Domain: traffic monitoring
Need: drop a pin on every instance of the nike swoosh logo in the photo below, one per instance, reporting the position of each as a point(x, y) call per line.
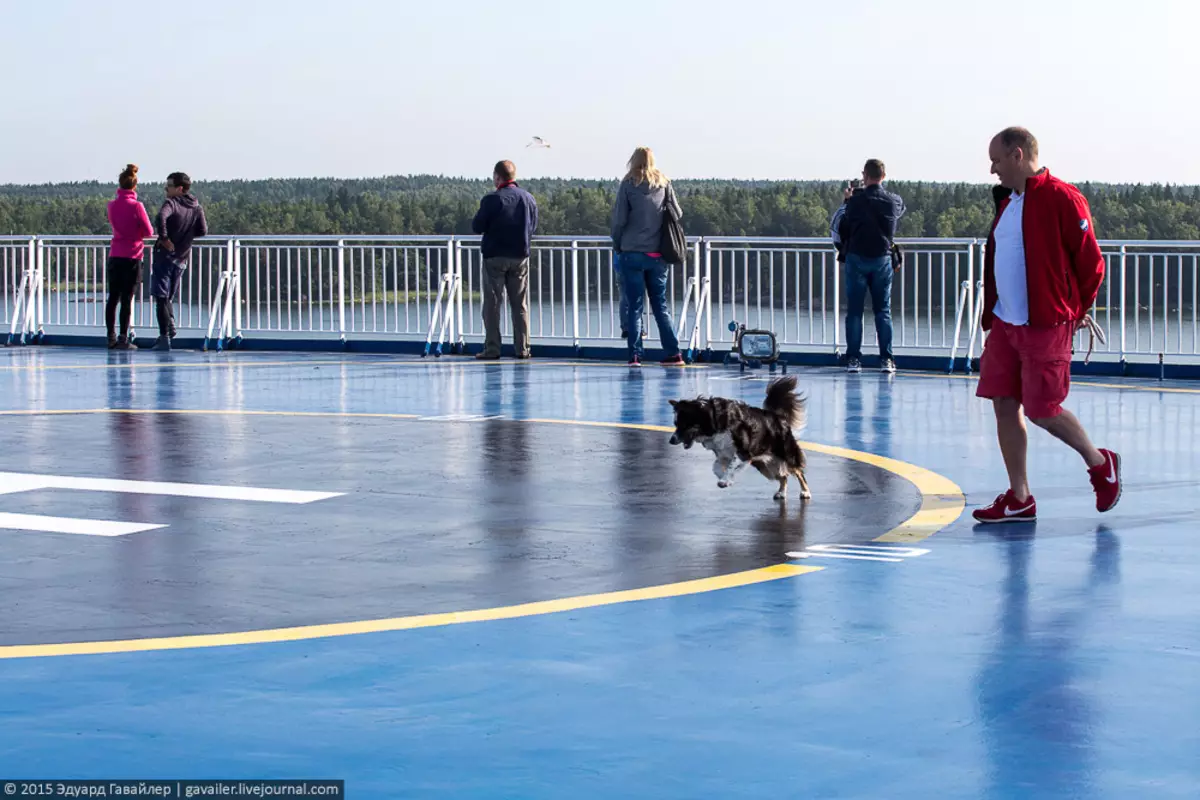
point(1008, 512)
point(1111, 477)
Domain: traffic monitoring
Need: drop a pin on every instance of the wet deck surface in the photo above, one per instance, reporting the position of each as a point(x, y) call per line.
point(432, 516)
point(1056, 660)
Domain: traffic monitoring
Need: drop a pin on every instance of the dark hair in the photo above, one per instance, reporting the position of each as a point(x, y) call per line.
point(180, 179)
point(874, 169)
point(1022, 138)
point(128, 179)
point(505, 170)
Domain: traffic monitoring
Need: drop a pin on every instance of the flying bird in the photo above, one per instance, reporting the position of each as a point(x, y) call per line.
point(538, 142)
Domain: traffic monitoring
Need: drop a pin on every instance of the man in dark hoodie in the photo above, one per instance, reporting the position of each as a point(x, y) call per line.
point(179, 221)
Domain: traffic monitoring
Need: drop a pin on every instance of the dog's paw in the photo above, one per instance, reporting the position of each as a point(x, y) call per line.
point(779, 496)
point(722, 484)
point(806, 495)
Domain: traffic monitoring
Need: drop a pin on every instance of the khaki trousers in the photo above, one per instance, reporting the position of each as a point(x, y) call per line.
point(501, 275)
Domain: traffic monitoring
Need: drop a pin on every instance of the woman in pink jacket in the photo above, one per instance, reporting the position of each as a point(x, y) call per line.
point(130, 227)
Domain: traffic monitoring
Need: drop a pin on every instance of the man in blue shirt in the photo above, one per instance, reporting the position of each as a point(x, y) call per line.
point(507, 219)
point(866, 232)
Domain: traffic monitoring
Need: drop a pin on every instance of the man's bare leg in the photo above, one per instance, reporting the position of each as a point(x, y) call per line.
point(1067, 428)
point(1014, 443)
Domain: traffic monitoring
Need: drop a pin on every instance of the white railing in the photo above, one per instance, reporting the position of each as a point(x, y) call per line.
point(430, 288)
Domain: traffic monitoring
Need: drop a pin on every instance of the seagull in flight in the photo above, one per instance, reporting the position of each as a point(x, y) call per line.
point(538, 142)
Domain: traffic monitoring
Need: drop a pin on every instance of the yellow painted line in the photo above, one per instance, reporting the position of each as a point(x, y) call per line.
point(444, 361)
point(410, 623)
point(1091, 384)
point(1168, 389)
point(582, 424)
point(942, 502)
point(205, 411)
point(129, 365)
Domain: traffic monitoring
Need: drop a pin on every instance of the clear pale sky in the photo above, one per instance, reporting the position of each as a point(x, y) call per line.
point(787, 90)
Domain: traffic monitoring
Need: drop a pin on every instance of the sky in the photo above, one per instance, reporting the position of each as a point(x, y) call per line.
point(752, 90)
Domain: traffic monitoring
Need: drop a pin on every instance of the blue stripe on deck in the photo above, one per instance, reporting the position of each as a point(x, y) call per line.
point(1055, 661)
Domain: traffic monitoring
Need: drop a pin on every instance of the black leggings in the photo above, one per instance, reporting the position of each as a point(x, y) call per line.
point(124, 275)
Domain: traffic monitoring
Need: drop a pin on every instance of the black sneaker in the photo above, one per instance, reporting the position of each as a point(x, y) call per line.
point(853, 365)
point(887, 365)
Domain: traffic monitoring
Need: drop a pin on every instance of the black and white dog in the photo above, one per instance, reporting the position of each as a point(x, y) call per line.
point(740, 434)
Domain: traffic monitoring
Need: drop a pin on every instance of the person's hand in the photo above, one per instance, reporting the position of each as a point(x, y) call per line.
point(847, 193)
point(168, 245)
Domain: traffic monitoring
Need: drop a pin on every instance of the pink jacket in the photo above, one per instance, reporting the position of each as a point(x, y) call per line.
point(130, 225)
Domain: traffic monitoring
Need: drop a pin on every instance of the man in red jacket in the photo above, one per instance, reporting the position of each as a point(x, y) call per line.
point(1042, 272)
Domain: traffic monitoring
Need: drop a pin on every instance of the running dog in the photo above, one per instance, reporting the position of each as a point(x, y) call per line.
point(740, 434)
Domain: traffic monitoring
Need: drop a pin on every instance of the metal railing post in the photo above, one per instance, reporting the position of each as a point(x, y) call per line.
point(708, 297)
point(236, 332)
point(451, 273)
point(575, 293)
point(341, 280)
point(38, 288)
point(699, 288)
point(461, 346)
point(837, 307)
point(1122, 301)
point(971, 278)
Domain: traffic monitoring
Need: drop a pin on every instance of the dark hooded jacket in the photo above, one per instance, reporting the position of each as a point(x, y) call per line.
point(181, 219)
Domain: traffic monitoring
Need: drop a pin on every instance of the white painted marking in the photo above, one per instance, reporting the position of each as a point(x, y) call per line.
point(21, 482)
point(741, 377)
point(11, 483)
point(86, 527)
point(840, 555)
point(460, 417)
point(860, 552)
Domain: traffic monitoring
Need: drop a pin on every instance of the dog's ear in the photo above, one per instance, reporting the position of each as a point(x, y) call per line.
point(673, 403)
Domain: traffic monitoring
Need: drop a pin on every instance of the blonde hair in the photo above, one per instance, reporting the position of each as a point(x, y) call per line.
point(641, 168)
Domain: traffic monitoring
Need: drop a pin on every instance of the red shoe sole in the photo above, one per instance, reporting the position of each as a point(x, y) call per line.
point(1001, 520)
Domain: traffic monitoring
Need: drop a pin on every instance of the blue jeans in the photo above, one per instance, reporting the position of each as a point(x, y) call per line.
point(641, 274)
point(863, 274)
point(623, 302)
point(165, 276)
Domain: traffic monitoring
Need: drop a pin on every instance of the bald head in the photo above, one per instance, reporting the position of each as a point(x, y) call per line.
point(1022, 138)
point(1014, 155)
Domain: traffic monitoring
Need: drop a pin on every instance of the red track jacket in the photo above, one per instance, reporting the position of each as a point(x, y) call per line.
point(1063, 264)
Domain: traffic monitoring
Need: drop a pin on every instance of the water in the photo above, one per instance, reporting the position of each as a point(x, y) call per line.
point(598, 321)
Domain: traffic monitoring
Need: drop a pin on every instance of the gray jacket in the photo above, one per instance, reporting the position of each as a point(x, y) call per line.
point(637, 216)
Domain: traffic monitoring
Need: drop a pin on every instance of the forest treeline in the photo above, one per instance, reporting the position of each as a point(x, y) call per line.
point(428, 204)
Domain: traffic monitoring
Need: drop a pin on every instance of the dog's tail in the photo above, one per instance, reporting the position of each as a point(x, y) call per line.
point(784, 403)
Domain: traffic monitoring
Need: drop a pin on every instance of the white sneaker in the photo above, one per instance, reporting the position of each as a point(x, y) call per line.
point(887, 366)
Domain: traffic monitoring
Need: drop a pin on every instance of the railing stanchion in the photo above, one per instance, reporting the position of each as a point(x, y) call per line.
point(341, 289)
point(575, 294)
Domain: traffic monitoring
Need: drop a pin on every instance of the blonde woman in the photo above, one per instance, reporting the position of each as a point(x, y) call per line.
point(637, 221)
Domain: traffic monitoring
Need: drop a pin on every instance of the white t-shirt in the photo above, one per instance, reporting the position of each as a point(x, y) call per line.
point(1012, 304)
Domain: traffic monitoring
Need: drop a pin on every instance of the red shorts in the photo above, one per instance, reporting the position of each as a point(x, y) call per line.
point(1031, 364)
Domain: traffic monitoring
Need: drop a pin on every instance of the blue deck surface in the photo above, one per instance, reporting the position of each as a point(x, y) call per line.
point(1056, 660)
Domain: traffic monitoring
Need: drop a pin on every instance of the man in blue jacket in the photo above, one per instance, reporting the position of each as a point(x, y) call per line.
point(866, 232)
point(507, 219)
